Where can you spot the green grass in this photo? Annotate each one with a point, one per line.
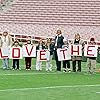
(30, 85)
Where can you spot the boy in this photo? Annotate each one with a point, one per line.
(91, 61)
(28, 60)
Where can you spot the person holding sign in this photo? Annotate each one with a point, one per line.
(91, 61)
(40, 46)
(66, 46)
(28, 59)
(58, 44)
(52, 45)
(50, 48)
(16, 61)
(75, 59)
(5, 43)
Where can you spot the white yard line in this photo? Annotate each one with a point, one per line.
(98, 92)
(34, 73)
(51, 87)
(38, 73)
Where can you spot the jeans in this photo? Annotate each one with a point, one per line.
(5, 63)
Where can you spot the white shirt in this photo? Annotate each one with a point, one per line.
(5, 41)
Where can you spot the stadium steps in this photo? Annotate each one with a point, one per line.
(72, 12)
(25, 16)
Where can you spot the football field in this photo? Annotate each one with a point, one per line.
(42, 85)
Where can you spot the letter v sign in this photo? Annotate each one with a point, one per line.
(29, 53)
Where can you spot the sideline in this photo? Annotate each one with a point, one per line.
(51, 87)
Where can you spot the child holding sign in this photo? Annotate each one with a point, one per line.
(91, 61)
(40, 46)
(66, 46)
(77, 59)
(50, 49)
(28, 60)
(16, 61)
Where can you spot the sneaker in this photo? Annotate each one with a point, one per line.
(89, 72)
(28, 69)
(69, 70)
(40, 69)
(78, 70)
(5, 68)
(47, 69)
(13, 69)
(50, 69)
(64, 70)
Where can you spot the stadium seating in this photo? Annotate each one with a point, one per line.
(2, 1)
(44, 17)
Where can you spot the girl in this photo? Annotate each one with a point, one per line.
(40, 46)
(16, 61)
(77, 59)
(50, 49)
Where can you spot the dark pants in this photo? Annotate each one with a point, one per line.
(74, 65)
(58, 63)
(15, 63)
(28, 62)
(66, 62)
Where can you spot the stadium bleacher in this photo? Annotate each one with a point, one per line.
(44, 17)
(2, 1)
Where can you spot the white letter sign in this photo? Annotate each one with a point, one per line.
(63, 54)
(43, 55)
(76, 50)
(90, 50)
(15, 53)
(4, 53)
(29, 51)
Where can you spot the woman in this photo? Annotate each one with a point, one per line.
(16, 61)
(58, 44)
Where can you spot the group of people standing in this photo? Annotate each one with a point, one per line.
(62, 42)
(51, 45)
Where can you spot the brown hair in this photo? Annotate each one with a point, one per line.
(15, 42)
(92, 39)
(5, 32)
(59, 31)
